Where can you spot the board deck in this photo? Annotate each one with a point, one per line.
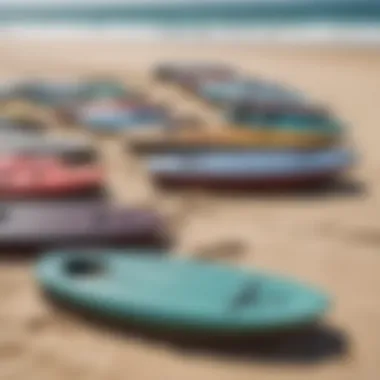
(255, 169)
(227, 91)
(9, 125)
(230, 139)
(116, 120)
(34, 177)
(176, 71)
(75, 150)
(50, 93)
(45, 225)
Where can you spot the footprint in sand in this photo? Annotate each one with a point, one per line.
(37, 324)
(11, 346)
(369, 236)
(8, 288)
(222, 250)
(363, 236)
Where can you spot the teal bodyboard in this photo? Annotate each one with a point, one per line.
(178, 294)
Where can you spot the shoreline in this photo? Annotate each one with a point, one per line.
(73, 39)
(346, 34)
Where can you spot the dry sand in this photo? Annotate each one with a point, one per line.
(331, 240)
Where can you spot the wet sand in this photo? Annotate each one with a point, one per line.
(330, 239)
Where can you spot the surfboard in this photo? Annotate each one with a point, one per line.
(45, 225)
(178, 294)
(229, 139)
(105, 89)
(74, 150)
(50, 92)
(175, 71)
(20, 125)
(284, 117)
(7, 89)
(245, 89)
(254, 169)
(25, 116)
(194, 81)
(34, 177)
(119, 117)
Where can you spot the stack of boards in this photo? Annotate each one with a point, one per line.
(136, 283)
(39, 173)
(275, 138)
(102, 105)
(35, 165)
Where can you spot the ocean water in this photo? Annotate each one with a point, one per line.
(284, 21)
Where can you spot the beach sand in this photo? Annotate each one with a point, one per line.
(329, 239)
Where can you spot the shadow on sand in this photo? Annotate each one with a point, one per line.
(333, 189)
(305, 345)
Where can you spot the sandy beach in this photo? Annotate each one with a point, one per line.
(329, 239)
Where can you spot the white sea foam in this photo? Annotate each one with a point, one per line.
(317, 33)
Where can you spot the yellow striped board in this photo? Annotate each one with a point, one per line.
(232, 138)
